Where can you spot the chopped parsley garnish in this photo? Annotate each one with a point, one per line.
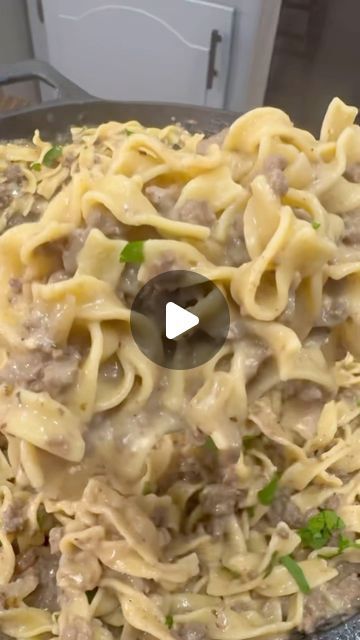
(41, 517)
(169, 621)
(296, 572)
(52, 155)
(249, 441)
(133, 252)
(36, 166)
(129, 132)
(210, 444)
(315, 225)
(320, 528)
(343, 543)
(147, 488)
(271, 564)
(267, 494)
(91, 595)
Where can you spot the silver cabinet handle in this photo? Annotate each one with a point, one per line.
(212, 72)
(40, 10)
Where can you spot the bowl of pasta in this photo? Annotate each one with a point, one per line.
(218, 502)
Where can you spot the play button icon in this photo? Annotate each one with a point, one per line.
(180, 319)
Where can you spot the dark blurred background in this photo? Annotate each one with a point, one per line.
(316, 56)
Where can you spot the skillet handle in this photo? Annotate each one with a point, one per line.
(40, 70)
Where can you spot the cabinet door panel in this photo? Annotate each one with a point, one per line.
(146, 50)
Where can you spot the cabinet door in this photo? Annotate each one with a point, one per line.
(160, 50)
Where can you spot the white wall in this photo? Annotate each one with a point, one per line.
(15, 41)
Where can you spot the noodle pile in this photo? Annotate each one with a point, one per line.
(221, 502)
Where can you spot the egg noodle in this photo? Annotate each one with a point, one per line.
(219, 502)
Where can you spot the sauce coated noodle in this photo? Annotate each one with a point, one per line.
(219, 502)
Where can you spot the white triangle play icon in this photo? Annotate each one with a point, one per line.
(178, 320)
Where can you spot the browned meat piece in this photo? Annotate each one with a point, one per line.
(39, 371)
(5, 197)
(163, 198)
(195, 212)
(334, 311)
(220, 500)
(216, 526)
(11, 188)
(274, 162)
(106, 222)
(165, 262)
(340, 597)
(352, 172)
(55, 535)
(18, 218)
(26, 560)
(235, 250)
(351, 235)
(38, 208)
(273, 168)
(332, 503)
(80, 570)
(59, 374)
(301, 214)
(284, 510)
(45, 594)
(77, 629)
(192, 631)
(73, 246)
(217, 138)
(68, 159)
(306, 391)
(16, 285)
(13, 518)
(25, 370)
(128, 285)
(190, 470)
(255, 352)
(14, 174)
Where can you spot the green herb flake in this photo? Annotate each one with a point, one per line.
(169, 621)
(128, 132)
(315, 225)
(267, 494)
(36, 166)
(271, 564)
(210, 444)
(251, 511)
(320, 528)
(133, 252)
(91, 595)
(248, 442)
(345, 543)
(296, 572)
(147, 488)
(52, 155)
(41, 517)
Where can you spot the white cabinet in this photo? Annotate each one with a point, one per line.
(161, 50)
